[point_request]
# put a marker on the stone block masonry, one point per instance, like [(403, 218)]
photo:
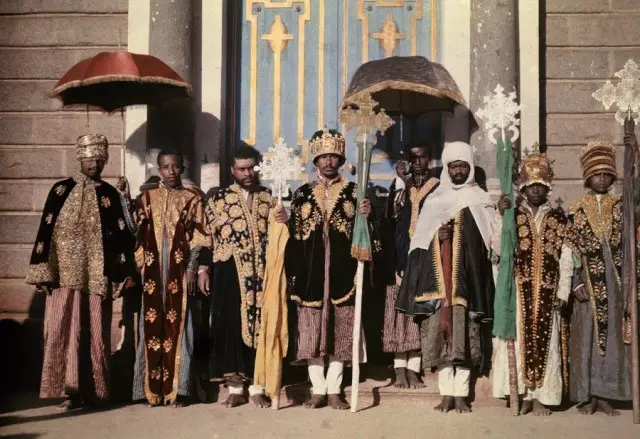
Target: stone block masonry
[(587, 41), (40, 40)]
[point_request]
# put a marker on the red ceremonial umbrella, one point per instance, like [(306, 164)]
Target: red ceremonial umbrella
[(115, 80)]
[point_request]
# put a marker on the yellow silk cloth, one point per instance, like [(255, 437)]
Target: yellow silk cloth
[(273, 338)]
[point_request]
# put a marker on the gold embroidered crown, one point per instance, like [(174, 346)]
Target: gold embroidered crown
[(536, 168), (92, 146), (598, 157), (327, 142)]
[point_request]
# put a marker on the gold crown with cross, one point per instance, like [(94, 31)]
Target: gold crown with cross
[(327, 142)]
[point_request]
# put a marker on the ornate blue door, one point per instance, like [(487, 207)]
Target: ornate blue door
[(297, 57)]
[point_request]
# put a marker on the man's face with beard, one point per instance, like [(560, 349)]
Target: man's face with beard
[(328, 165), (459, 171), (92, 168), (244, 173), (419, 160)]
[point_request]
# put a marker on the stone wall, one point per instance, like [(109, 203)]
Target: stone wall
[(587, 41), (39, 41)]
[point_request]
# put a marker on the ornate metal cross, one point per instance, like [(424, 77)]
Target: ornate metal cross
[(500, 113), (365, 120), (279, 165), (625, 95)]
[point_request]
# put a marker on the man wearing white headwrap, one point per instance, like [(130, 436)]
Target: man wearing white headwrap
[(448, 283)]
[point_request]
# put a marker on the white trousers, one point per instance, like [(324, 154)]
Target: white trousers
[(410, 360), (454, 382), (253, 390), (325, 384)]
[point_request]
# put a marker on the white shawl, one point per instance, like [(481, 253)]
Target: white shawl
[(448, 199)]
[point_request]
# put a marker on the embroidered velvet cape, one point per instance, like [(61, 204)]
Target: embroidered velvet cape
[(423, 284), (117, 241), (305, 252), (172, 224)]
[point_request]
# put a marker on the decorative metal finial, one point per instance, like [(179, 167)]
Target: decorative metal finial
[(625, 95), (500, 113), (281, 164), (365, 120)]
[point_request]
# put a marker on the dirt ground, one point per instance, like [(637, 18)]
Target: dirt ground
[(398, 418)]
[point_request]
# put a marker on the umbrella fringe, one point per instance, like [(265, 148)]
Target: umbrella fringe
[(113, 78), (404, 85)]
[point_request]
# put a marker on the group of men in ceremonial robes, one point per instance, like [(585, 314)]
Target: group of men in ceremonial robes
[(573, 319)]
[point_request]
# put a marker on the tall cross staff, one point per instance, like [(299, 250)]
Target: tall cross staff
[(500, 115), (280, 165), (626, 96), (362, 118)]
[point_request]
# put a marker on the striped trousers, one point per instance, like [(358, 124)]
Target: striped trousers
[(77, 345)]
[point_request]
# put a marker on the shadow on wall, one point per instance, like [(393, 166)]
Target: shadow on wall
[(170, 127)]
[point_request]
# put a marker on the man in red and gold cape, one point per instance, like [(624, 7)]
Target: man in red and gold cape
[(408, 194), (171, 233), (321, 270), (543, 270), (82, 255), (238, 218), (599, 352)]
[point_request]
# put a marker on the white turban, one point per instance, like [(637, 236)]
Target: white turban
[(449, 198)]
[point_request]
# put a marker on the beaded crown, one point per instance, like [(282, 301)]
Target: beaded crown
[(92, 146), (327, 142), (536, 168)]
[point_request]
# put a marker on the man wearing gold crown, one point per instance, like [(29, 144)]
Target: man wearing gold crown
[(599, 353), (448, 278), (321, 270), (540, 267), (82, 256), (171, 233), (238, 224), (401, 334)]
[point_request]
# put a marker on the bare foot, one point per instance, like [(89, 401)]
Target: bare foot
[(414, 380), (540, 409), (401, 378), (336, 402), (461, 405), (588, 408), (259, 400), (234, 401), (527, 407), (605, 407), (446, 405), (316, 402), (70, 404), (179, 403)]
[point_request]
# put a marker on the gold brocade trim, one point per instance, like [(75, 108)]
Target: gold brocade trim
[(326, 197), (600, 220), (416, 197), (176, 365), (119, 78), (456, 245), (346, 297), (298, 300), (39, 274)]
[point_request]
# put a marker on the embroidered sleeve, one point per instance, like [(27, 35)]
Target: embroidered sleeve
[(200, 233), (566, 273), (496, 232)]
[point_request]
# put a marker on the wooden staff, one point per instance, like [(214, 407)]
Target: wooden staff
[(629, 268)]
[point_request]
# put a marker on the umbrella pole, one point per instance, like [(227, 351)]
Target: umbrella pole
[(124, 144)]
